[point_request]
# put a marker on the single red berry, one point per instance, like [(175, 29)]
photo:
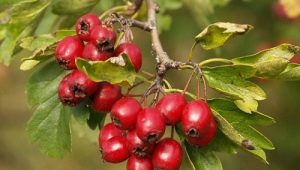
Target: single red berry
[(150, 125), (92, 53), (136, 146), (167, 155), (139, 163), (75, 87), (104, 38), (206, 138), (196, 117), (107, 132), (171, 107), (124, 113), (105, 97), (115, 150), (67, 50), (133, 52), (85, 24)]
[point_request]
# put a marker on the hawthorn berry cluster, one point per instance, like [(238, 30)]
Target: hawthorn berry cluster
[(135, 133)]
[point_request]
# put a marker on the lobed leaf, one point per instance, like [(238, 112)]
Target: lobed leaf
[(202, 159), (49, 127), (271, 62), (291, 73), (231, 81), (116, 70), (237, 126), (216, 35)]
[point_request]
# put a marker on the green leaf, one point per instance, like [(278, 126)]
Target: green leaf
[(202, 159), (81, 112), (215, 35), (271, 62), (49, 127), (19, 21), (73, 7), (231, 81), (237, 126), (37, 42), (220, 2), (221, 143), (60, 34), (116, 70), (96, 120), (43, 83), (291, 73), (169, 5)]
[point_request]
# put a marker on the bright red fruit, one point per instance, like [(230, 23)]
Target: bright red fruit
[(107, 132), (124, 112), (133, 52), (139, 163), (206, 138), (104, 38), (196, 117), (150, 125), (115, 150), (75, 87), (105, 97), (92, 53), (171, 106), (85, 24), (167, 155), (67, 50), (136, 146)]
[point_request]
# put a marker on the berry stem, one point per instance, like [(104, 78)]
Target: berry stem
[(188, 83), (198, 88)]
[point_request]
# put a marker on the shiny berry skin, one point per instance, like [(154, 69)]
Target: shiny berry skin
[(105, 97), (85, 24), (136, 146), (150, 125), (107, 132), (171, 107), (67, 50), (139, 163), (167, 155), (92, 53), (206, 138), (196, 117), (133, 52), (79, 86), (124, 113), (104, 38), (115, 150)]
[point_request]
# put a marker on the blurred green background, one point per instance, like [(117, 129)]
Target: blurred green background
[(282, 103)]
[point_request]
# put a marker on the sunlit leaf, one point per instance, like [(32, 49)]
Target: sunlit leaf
[(216, 35), (73, 7), (291, 73)]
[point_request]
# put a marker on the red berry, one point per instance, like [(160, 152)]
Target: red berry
[(104, 38), (133, 52), (75, 87), (136, 146), (67, 50), (150, 125), (139, 163), (167, 155), (85, 24), (196, 117), (206, 138), (115, 150), (105, 97), (171, 106), (107, 132), (124, 113), (92, 53)]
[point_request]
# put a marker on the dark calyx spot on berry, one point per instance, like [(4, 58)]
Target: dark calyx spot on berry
[(84, 27), (68, 102), (63, 63), (140, 152), (116, 121), (152, 138), (193, 133), (105, 46), (248, 144), (78, 91)]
